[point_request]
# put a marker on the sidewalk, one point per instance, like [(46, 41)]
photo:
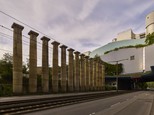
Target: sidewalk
[(18, 98)]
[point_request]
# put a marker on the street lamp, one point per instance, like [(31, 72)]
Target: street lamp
[(117, 61)]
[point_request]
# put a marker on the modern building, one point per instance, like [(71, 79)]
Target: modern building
[(128, 47)]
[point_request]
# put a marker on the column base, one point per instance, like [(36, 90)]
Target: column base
[(70, 89), (55, 89)]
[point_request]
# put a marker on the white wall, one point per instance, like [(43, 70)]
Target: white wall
[(129, 66), (149, 57), (150, 23), (128, 34), (150, 29)]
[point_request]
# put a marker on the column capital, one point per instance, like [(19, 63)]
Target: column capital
[(31, 32), (91, 59), (82, 55), (94, 60), (45, 38), (99, 61), (15, 25), (70, 49), (63, 46), (76, 52), (55, 43), (86, 57)]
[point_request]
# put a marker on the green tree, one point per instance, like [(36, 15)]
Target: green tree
[(6, 75), (150, 39), (110, 69), (6, 68)]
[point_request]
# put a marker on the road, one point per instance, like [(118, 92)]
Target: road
[(137, 103)]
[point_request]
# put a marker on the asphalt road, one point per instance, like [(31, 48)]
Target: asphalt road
[(137, 103)]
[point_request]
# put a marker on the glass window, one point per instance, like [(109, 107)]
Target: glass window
[(132, 57)]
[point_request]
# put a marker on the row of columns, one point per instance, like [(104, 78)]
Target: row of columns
[(83, 74)]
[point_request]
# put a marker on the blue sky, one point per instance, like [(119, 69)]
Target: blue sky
[(83, 25)]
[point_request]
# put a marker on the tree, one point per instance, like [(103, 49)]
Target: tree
[(6, 68), (110, 69), (150, 39)]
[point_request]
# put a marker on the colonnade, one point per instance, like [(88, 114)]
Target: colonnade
[(83, 73)]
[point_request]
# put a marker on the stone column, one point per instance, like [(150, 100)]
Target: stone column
[(100, 76), (17, 58), (97, 75), (103, 77), (55, 68), (45, 65), (94, 74), (86, 73), (82, 74), (63, 68), (76, 71), (91, 73), (70, 70), (33, 62)]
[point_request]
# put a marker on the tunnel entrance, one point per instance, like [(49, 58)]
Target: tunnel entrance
[(124, 83), (128, 82)]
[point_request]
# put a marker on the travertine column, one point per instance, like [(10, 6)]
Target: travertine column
[(63, 68), (86, 73), (91, 73), (76, 71), (82, 74), (94, 74), (55, 77), (103, 77), (100, 76), (17, 58), (33, 62), (70, 70), (97, 75), (45, 65)]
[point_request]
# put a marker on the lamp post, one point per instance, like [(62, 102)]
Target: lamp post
[(117, 62)]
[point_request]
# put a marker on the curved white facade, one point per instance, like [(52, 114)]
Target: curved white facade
[(143, 59), (130, 65), (150, 23), (135, 60)]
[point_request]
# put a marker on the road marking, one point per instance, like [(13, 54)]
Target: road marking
[(135, 96), (115, 104), (92, 113)]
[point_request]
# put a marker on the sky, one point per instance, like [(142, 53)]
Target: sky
[(83, 25)]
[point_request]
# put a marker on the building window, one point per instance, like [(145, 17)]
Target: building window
[(142, 36), (132, 57)]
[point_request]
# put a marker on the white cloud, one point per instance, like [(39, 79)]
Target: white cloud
[(87, 8), (80, 24)]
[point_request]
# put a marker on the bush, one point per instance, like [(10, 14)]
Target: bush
[(109, 87), (6, 90)]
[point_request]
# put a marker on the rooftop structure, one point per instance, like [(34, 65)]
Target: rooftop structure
[(139, 59)]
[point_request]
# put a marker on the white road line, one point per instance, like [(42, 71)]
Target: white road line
[(115, 104), (92, 113)]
